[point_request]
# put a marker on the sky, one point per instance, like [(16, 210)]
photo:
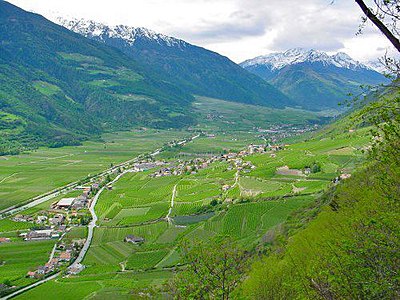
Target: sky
[(238, 29)]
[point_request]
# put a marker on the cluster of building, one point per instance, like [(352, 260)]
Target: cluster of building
[(184, 167), (76, 203), (63, 254), (193, 166), (143, 166), (281, 131), (43, 218)]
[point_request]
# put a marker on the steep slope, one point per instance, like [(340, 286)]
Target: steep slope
[(314, 79), (57, 87), (195, 69)]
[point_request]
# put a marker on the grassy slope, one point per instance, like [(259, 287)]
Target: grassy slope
[(350, 249), (216, 114), (59, 87)]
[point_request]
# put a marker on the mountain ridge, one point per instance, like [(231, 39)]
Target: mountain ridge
[(312, 78), (58, 87), (195, 69), (294, 56)]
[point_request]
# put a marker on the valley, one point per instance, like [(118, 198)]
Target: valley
[(136, 164), (183, 195)]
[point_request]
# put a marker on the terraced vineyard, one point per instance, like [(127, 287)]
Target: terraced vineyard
[(260, 199)]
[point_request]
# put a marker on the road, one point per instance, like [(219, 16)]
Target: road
[(92, 224), (30, 286), (52, 194)]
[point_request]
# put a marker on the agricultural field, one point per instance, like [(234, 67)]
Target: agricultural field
[(258, 200), (220, 199), (220, 115), (27, 175), (213, 144), (18, 257)]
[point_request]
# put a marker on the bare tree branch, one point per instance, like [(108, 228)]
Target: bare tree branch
[(378, 23)]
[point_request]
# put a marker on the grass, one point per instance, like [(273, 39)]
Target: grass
[(19, 257), (27, 175), (230, 116), (145, 260), (58, 290)]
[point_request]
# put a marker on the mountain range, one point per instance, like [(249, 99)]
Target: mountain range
[(314, 79), (62, 84), (194, 69), (58, 87)]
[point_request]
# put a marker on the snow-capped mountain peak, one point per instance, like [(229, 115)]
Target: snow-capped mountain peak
[(130, 35), (277, 61)]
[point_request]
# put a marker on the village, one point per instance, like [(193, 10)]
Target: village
[(235, 159), (66, 213)]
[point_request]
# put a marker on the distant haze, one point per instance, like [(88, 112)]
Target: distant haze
[(239, 29)]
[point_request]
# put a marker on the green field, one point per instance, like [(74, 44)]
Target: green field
[(19, 257), (27, 175), (220, 115), (261, 200)]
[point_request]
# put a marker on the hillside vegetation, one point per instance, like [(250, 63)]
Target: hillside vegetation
[(350, 249), (57, 87)]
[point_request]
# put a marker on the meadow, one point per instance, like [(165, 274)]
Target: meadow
[(220, 115), (261, 199), (28, 175), (19, 257)]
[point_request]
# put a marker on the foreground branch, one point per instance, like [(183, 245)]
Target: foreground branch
[(378, 23)]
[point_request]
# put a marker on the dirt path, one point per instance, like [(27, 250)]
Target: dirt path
[(8, 177), (168, 218)]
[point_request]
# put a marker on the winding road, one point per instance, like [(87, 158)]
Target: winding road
[(43, 198), (92, 224)]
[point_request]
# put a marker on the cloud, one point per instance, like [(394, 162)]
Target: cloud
[(238, 25)]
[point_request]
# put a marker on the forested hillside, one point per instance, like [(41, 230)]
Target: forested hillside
[(194, 69), (58, 87)]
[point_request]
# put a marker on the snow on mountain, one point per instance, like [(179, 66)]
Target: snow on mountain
[(130, 35), (277, 61), (378, 67)]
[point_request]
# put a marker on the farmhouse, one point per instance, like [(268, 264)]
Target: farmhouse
[(226, 187), (65, 256), (22, 218), (345, 176), (75, 269), (133, 239), (38, 235), (41, 219), (57, 219), (65, 203)]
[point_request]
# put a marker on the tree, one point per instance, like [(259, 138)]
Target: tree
[(385, 15), (385, 18), (213, 270)]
